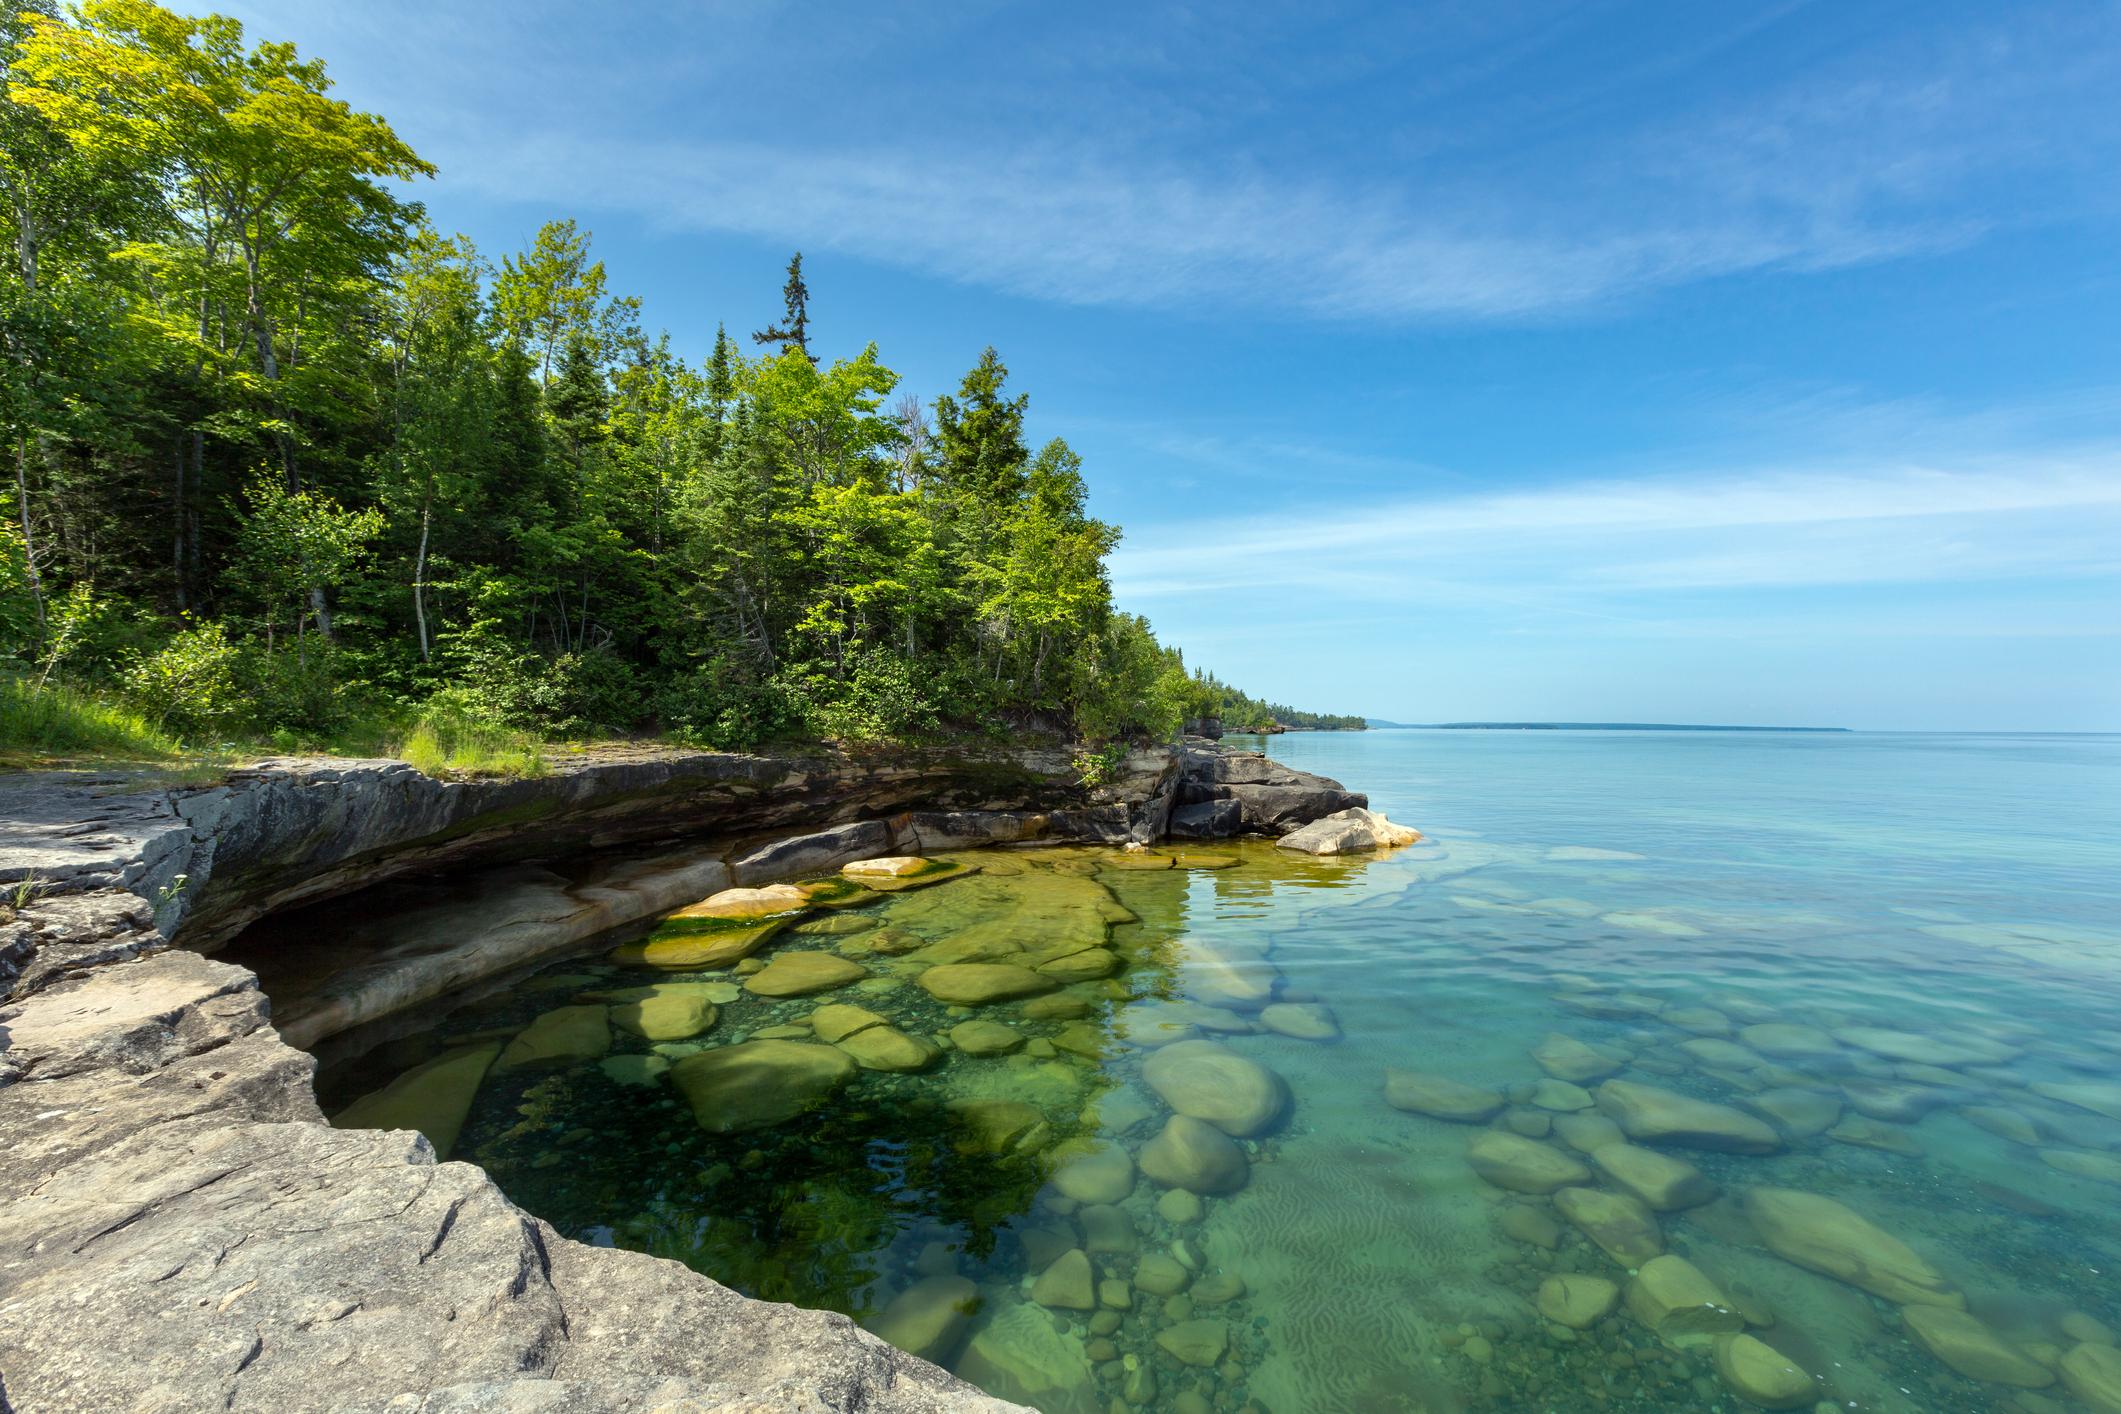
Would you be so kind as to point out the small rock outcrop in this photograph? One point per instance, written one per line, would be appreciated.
(1222, 793)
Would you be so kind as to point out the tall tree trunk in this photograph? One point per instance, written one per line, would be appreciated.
(176, 532)
(419, 575)
(29, 541)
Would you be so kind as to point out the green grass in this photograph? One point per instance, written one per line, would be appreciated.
(57, 724)
(442, 747)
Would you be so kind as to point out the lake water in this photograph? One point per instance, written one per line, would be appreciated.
(1854, 999)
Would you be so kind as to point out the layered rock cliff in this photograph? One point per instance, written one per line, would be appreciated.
(183, 1231)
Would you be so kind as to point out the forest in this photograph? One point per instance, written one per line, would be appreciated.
(292, 466)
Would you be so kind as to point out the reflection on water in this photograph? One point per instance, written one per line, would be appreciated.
(1669, 1073)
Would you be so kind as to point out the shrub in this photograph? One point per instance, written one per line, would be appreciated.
(715, 708)
(879, 702)
(190, 683)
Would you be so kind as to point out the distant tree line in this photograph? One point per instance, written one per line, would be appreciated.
(1239, 713)
(286, 459)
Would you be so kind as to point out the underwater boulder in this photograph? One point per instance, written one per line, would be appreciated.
(433, 1098)
(1209, 1081)
(759, 1083)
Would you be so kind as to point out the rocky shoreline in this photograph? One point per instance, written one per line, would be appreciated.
(184, 1231)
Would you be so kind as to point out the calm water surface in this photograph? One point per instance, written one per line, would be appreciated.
(1892, 962)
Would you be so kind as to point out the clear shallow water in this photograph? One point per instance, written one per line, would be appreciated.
(1952, 899)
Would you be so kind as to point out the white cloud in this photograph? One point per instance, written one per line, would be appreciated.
(1594, 548)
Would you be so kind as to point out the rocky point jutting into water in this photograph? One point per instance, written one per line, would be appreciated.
(185, 1231)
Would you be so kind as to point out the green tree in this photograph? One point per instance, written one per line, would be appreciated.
(793, 332)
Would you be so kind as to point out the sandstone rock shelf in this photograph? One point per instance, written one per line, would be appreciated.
(184, 1230)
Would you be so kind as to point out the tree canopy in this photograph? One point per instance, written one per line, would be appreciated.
(285, 456)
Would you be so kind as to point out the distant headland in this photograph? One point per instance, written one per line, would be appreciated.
(1376, 722)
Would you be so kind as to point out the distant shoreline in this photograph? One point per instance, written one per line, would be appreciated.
(1378, 724)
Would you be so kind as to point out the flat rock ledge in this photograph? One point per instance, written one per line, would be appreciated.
(183, 1231)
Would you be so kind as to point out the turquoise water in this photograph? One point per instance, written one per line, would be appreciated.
(1927, 926)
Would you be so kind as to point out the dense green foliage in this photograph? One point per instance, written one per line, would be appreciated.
(287, 460)
(1240, 713)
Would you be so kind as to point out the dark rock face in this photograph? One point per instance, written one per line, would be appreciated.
(1271, 799)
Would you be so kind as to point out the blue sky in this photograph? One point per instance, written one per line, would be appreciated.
(1734, 362)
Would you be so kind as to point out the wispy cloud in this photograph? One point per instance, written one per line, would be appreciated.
(1600, 547)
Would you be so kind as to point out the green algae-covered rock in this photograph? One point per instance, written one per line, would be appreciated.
(985, 1038)
(681, 945)
(674, 1012)
(888, 1048)
(798, 974)
(1070, 1284)
(759, 1083)
(1663, 1182)
(1577, 1301)
(433, 1098)
(1677, 1303)
(978, 983)
(1092, 1171)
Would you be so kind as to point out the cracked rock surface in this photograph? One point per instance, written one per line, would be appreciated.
(184, 1232)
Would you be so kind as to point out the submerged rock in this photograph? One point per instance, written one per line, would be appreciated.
(1199, 1343)
(635, 1069)
(1587, 1133)
(1620, 1226)
(2093, 1374)
(1566, 1058)
(1017, 1354)
(977, 983)
(1677, 1303)
(1523, 1165)
(1093, 1171)
(1825, 1236)
(1804, 1113)
(1786, 1040)
(1305, 1021)
(836, 1021)
(888, 1048)
(1209, 1081)
(434, 1098)
(1229, 974)
(1662, 1182)
(759, 1083)
(1577, 1301)
(985, 1038)
(1663, 1116)
(2097, 1096)
(563, 1037)
(682, 945)
(1070, 1284)
(674, 1011)
(995, 1126)
(798, 974)
(1925, 1049)
(1757, 1372)
(928, 1319)
(1967, 1345)
(1194, 1155)
(1440, 1097)
(2104, 1168)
